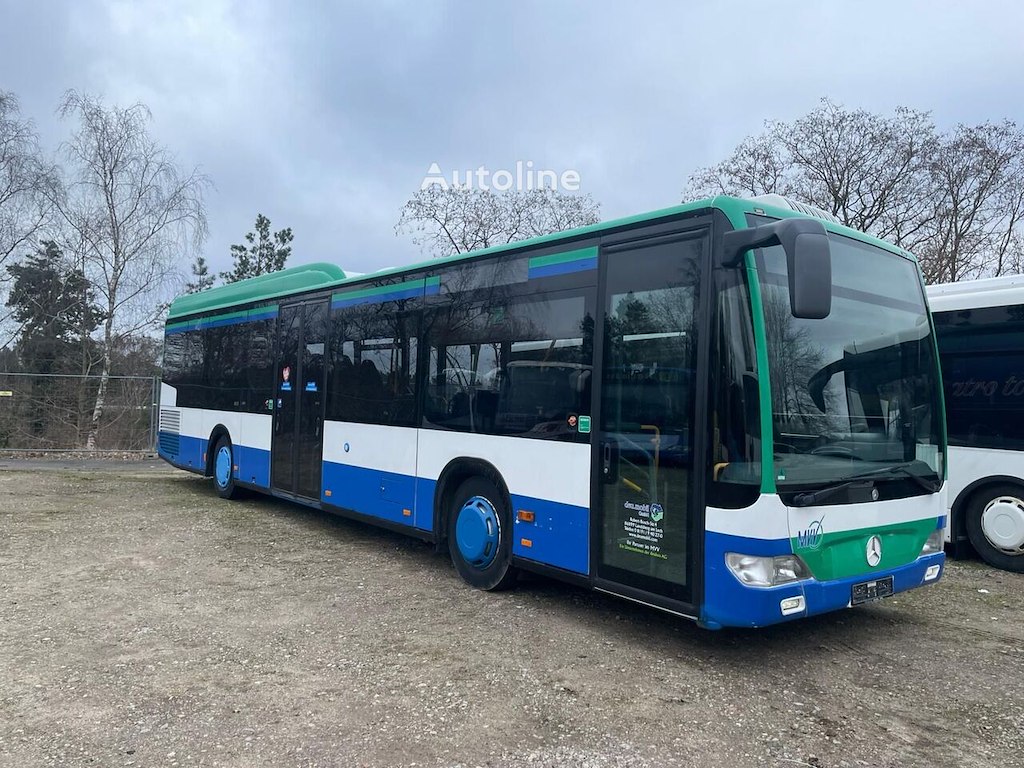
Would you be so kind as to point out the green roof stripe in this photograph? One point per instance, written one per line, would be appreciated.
(378, 290)
(562, 258)
(205, 320)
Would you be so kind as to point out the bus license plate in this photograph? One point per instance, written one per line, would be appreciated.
(869, 591)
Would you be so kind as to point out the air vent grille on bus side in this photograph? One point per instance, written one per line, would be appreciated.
(170, 427)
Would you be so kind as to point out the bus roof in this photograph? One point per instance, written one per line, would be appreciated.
(324, 275)
(975, 294)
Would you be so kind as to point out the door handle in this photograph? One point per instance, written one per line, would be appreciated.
(609, 461)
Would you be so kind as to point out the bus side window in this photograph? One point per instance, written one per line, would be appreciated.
(735, 457)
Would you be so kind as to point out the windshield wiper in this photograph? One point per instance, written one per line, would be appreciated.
(810, 498)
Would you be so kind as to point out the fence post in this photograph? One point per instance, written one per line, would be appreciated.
(154, 414)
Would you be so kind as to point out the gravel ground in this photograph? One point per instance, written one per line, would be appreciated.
(144, 621)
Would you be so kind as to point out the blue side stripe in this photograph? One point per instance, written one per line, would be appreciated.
(187, 452)
(559, 535)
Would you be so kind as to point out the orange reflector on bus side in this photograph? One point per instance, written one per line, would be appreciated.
(525, 516)
(407, 512)
(526, 542)
(327, 492)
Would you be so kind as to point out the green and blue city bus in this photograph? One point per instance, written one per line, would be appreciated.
(729, 410)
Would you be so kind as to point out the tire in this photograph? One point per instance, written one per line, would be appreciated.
(480, 536)
(995, 525)
(223, 466)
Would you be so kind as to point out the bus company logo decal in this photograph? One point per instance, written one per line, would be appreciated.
(812, 536)
(873, 551)
(657, 512)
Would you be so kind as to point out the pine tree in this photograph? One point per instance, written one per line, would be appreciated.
(55, 306)
(264, 253)
(202, 279)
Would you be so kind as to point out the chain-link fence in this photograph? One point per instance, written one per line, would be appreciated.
(53, 412)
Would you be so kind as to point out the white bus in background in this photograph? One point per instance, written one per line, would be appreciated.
(980, 329)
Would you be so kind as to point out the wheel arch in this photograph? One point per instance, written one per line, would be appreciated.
(456, 472)
(958, 519)
(216, 434)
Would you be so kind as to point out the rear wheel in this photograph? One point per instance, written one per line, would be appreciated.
(995, 525)
(480, 535)
(223, 468)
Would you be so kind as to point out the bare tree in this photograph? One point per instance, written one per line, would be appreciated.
(26, 186)
(872, 172)
(956, 199)
(979, 178)
(132, 215)
(758, 166)
(446, 221)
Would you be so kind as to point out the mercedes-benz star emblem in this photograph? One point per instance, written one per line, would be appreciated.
(874, 551)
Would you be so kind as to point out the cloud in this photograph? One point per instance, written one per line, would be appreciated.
(325, 117)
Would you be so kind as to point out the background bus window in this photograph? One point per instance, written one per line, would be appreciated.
(516, 367)
(226, 352)
(373, 366)
(174, 358)
(735, 456)
(983, 376)
(259, 374)
(193, 389)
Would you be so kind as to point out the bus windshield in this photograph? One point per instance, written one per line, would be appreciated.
(858, 391)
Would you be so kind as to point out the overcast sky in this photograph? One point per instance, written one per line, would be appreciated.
(326, 116)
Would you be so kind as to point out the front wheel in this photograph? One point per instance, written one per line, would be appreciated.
(995, 526)
(480, 536)
(223, 466)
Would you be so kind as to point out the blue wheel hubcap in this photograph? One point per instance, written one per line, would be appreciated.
(222, 467)
(477, 532)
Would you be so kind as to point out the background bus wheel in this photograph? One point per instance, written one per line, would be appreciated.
(223, 461)
(480, 536)
(995, 526)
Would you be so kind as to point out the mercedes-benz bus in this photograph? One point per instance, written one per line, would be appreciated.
(729, 410)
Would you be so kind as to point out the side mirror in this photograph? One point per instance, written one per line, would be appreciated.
(808, 260)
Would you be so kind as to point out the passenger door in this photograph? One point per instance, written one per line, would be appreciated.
(645, 504)
(297, 443)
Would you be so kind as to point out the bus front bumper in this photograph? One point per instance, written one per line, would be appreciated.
(729, 603)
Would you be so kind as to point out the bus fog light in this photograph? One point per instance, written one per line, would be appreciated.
(934, 543)
(757, 571)
(792, 605)
(932, 572)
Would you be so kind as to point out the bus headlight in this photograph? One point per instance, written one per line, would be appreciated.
(756, 571)
(934, 543)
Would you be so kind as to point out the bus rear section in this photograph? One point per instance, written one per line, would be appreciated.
(980, 329)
